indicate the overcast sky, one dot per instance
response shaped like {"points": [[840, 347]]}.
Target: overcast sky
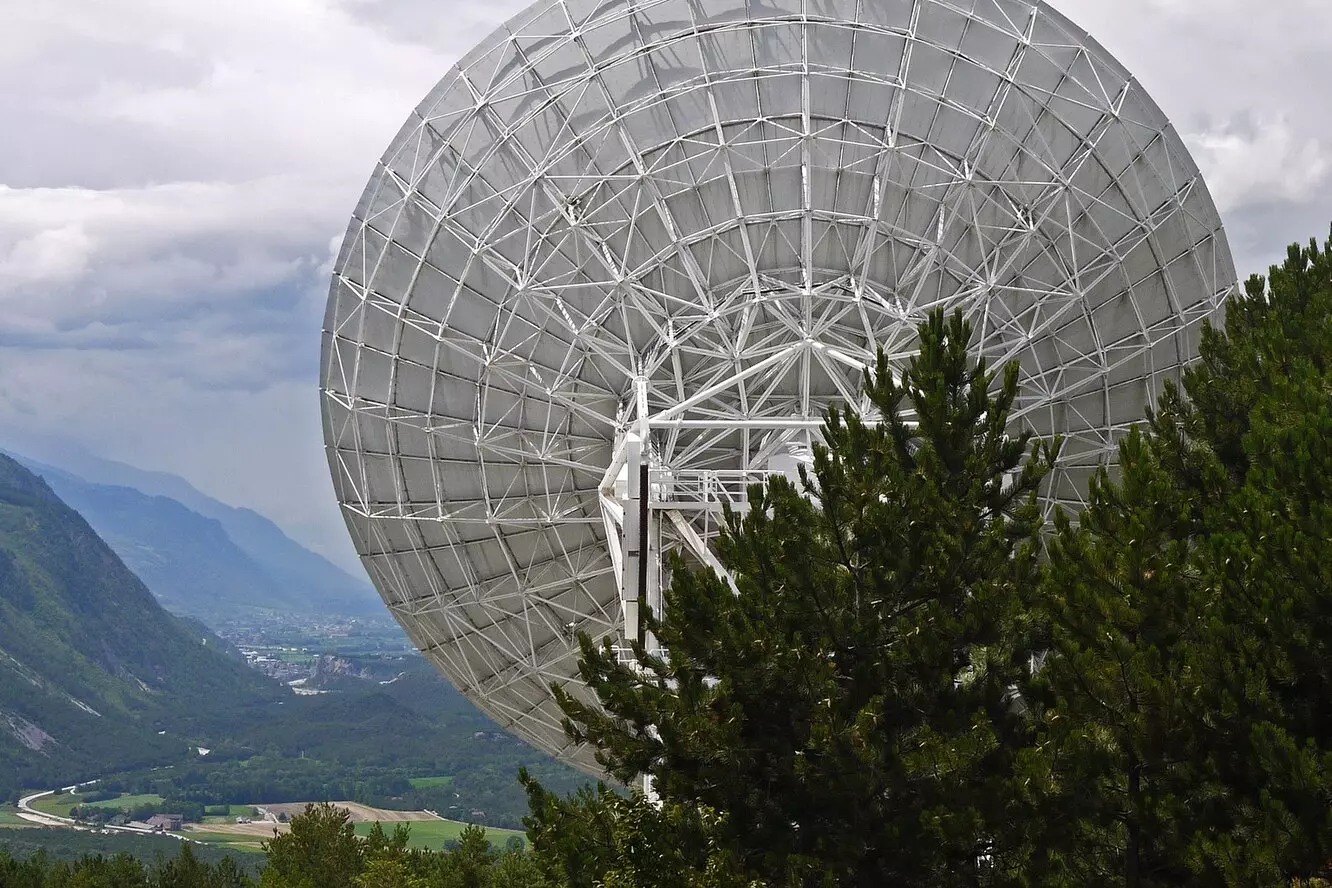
{"points": [[175, 174]]}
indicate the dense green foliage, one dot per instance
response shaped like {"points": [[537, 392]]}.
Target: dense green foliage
{"points": [[321, 851], [1188, 701], [849, 706], [185, 870], [332, 747], [70, 846], [190, 812], [597, 838]]}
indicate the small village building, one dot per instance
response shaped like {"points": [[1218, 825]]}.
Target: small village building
{"points": [[166, 822]]}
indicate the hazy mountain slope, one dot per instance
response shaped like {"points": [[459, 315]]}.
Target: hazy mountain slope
{"points": [[190, 548], [313, 578], [186, 560], [240, 522], [90, 663]]}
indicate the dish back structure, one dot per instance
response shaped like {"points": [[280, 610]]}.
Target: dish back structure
{"points": [[618, 263]]}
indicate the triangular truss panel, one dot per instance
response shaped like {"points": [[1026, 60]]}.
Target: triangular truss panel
{"points": [[665, 235]]}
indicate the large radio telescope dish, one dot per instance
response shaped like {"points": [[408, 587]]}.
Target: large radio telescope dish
{"points": [[669, 234]]}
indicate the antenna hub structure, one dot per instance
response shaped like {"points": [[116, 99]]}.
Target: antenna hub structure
{"points": [[621, 259]]}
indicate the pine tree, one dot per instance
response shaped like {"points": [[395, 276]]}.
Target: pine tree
{"points": [[1187, 701], [851, 707], [1115, 699], [388, 863], [469, 862], [185, 870], [603, 839], [1258, 420], [319, 851]]}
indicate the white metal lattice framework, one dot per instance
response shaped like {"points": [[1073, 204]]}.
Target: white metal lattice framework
{"points": [[624, 255]]}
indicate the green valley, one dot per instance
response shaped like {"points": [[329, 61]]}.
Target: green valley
{"points": [[94, 675], [98, 681]]}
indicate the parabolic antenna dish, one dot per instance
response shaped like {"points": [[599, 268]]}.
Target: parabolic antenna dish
{"points": [[629, 241]]}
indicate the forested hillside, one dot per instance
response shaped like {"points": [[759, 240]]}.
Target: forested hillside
{"points": [[91, 666], [369, 742]]}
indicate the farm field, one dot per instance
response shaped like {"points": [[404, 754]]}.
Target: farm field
{"points": [[222, 836], [126, 801], [431, 782], [255, 832], [233, 811], [359, 813], [427, 830], [60, 805], [433, 834], [9, 819]]}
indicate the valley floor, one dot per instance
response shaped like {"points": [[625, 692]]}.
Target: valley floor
{"points": [[240, 833]]}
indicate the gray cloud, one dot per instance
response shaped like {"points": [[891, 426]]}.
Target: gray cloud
{"points": [[175, 176], [1245, 85]]}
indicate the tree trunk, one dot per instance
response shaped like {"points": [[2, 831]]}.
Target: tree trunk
{"points": [[1132, 876]]}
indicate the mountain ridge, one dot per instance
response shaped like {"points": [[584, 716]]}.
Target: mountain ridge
{"points": [[206, 563]]}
